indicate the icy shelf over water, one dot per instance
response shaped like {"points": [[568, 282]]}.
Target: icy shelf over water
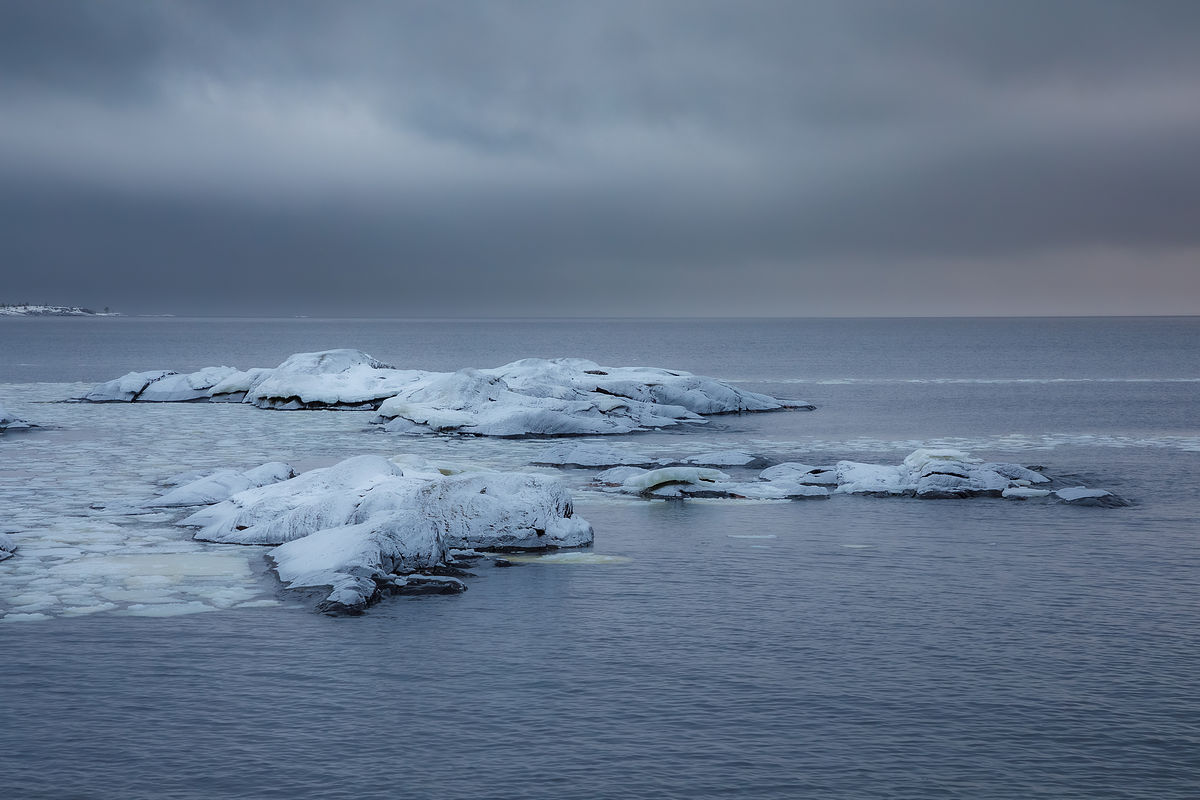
{"points": [[11, 421], [533, 396], [926, 473], [369, 525]]}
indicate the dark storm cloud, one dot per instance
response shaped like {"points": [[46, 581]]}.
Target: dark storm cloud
{"points": [[530, 157]]}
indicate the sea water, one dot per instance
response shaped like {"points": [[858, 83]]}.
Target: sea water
{"points": [[851, 647]]}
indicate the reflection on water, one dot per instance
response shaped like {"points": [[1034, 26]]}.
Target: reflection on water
{"points": [[851, 648]]}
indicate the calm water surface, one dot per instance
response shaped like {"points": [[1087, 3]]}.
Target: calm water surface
{"points": [[856, 647]]}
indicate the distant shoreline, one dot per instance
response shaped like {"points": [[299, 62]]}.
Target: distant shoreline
{"points": [[24, 310]]}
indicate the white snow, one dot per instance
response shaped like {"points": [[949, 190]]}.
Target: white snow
{"points": [[856, 478], [617, 475], [175, 388], [921, 458], [350, 525], [655, 478], [550, 397], [312, 501], [126, 388], [329, 378], [801, 473]]}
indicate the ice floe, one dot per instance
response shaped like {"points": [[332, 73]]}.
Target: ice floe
{"points": [[591, 454], [11, 421], [7, 546], [533, 396], [355, 529], [221, 485], [925, 473], [727, 458], [1082, 496]]}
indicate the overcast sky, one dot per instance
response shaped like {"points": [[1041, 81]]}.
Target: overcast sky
{"points": [[602, 158]]}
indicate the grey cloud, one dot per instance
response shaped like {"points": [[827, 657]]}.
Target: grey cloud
{"points": [[532, 153]]}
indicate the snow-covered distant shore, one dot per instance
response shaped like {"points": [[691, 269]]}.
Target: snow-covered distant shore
{"points": [[24, 310]]}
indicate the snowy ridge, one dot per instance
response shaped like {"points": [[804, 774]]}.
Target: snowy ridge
{"points": [[368, 524], [533, 396]]}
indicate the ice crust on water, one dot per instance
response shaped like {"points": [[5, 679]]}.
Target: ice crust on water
{"points": [[7, 546], [549, 397], [599, 454], [590, 454], [924, 473], [221, 485], [354, 525], [11, 421], [724, 458], [1082, 496]]}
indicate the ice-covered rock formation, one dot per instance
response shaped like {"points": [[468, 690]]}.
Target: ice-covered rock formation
{"points": [[12, 422], [925, 473], [934, 474], [534, 396], [680, 482], [222, 485], [359, 524]]}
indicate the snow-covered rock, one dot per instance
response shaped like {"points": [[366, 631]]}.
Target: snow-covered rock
{"points": [[616, 476], [312, 501], [11, 421], [935, 474], [925, 473], [221, 485], [176, 388], [549, 397], [353, 560], [474, 402], [856, 478], [127, 388], [357, 524], [652, 480], [683, 482], [801, 473], [332, 378]]}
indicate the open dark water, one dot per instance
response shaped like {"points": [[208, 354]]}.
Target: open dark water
{"points": [[856, 647]]}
